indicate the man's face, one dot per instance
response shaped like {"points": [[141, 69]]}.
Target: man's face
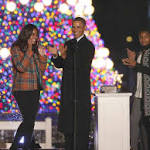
{"points": [[78, 28], [144, 38]]}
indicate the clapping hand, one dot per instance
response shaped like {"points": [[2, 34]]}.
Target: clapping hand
{"points": [[30, 46], [130, 61], [131, 54], [53, 50], [41, 50], [63, 50]]}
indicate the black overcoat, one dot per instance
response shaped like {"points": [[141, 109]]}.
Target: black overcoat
{"points": [[76, 75]]}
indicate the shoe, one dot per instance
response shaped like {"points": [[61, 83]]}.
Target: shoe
{"points": [[18, 148], [35, 145], [13, 147]]}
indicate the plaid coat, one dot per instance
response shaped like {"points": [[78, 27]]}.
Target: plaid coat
{"points": [[24, 70]]}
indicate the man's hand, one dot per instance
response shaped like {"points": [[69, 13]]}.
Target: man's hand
{"points": [[53, 50], [63, 50]]}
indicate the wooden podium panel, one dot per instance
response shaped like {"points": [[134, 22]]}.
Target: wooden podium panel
{"points": [[113, 121]]}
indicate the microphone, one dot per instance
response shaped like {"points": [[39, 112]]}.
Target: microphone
{"points": [[74, 44], [35, 47]]}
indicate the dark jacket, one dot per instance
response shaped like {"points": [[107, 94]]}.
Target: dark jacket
{"points": [[144, 68], [76, 75]]}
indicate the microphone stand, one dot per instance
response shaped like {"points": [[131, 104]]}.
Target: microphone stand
{"points": [[75, 99]]}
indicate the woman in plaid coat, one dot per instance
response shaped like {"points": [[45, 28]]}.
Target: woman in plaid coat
{"points": [[29, 62]]}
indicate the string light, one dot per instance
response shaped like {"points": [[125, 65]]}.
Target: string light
{"points": [[24, 2], [38, 6], [47, 2], [4, 53], [54, 20], [11, 6], [72, 2]]}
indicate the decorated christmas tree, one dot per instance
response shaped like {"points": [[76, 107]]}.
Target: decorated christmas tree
{"points": [[54, 20]]}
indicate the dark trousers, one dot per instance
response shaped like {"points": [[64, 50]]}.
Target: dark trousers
{"points": [[145, 132], [135, 127], [82, 140], [28, 102]]}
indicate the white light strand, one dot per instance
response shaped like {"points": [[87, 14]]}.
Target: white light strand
{"points": [[4, 53], [24, 2], [11, 6], [47, 2], [38, 6]]}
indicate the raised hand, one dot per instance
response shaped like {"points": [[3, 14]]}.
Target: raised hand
{"points": [[53, 50], [125, 61], [129, 62], [131, 54], [42, 50], [63, 50], [30, 45]]}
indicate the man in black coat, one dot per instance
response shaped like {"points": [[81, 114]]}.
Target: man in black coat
{"points": [[76, 58]]}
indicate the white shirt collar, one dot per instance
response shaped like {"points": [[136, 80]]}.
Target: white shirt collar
{"points": [[78, 39]]}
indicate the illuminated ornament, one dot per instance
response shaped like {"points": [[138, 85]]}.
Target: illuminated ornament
{"points": [[11, 6], [129, 38], [4, 53], [89, 10], [38, 6], [88, 2], [82, 2], [117, 77], [79, 10], [98, 63], [102, 52], [109, 64], [63, 8], [47, 2], [24, 2], [72, 2], [85, 3]]}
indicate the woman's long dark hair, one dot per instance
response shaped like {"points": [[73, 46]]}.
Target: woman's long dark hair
{"points": [[26, 32]]}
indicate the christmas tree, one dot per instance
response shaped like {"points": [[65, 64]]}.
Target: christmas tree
{"points": [[54, 20]]}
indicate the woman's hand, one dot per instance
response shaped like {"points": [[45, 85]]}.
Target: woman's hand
{"points": [[29, 44], [29, 50], [131, 54], [41, 50], [129, 62], [125, 61]]}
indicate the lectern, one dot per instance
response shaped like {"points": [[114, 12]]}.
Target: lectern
{"points": [[113, 121]]}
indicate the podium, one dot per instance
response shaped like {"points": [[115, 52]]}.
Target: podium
{"points": [[113, 121]]}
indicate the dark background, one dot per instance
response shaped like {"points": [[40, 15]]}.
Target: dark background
{"points": [[117, 19]]}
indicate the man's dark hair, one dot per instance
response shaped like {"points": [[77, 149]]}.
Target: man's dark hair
{"points": [[80, 19]]}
